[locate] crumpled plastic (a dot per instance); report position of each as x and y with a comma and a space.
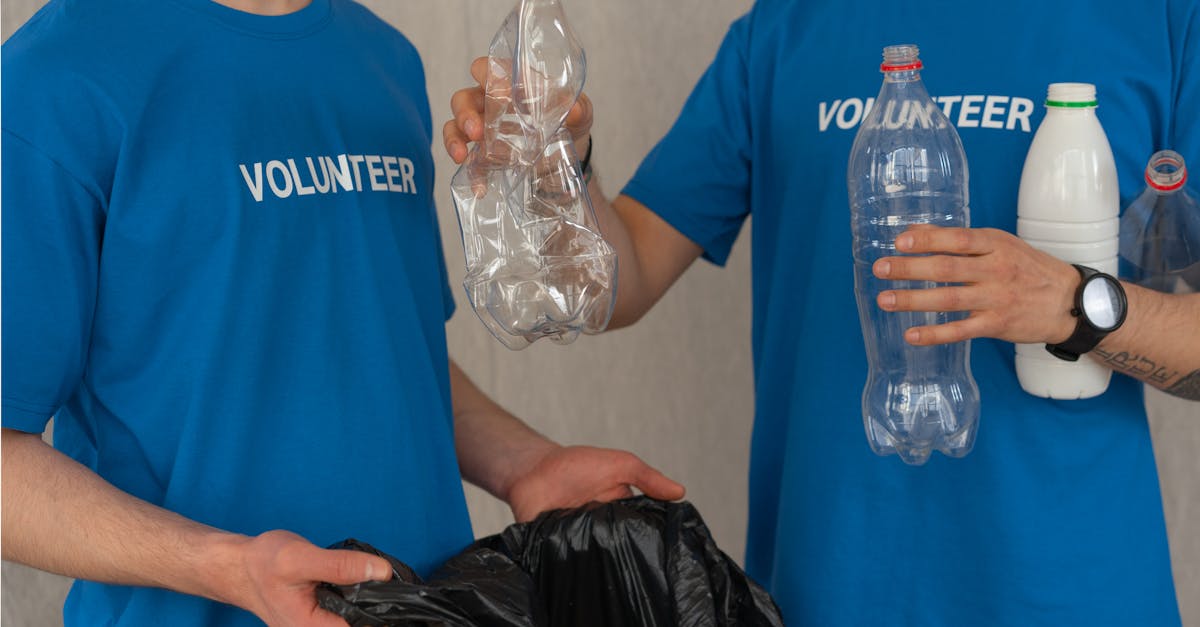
537, 265
635, 562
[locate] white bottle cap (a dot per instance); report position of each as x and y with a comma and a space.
1071, 95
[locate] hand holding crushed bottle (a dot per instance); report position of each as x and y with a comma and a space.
537, 265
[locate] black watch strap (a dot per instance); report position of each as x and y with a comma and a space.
1086, 335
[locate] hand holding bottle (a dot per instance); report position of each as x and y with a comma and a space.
467, 106
1013, 291
537, 264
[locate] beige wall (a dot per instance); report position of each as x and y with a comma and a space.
676, 388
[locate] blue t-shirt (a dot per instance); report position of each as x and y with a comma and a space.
222, 275
1055, 518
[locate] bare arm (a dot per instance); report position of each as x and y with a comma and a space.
61, 517
651, 254
516, 464
1019, 294
1159, 342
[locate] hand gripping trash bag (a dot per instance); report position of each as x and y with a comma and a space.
636, 562
537, 265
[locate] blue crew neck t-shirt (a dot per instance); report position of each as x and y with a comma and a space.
223, 276
1055, 518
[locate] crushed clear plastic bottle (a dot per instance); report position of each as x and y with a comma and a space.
1160, 230
907, 166
537, 265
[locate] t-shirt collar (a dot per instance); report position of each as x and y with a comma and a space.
295, 24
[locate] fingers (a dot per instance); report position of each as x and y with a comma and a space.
613, 494
579, 118
455, 141
467, 125
341, 567
953, 298
322, 618
975, 326
479, 70
955, 241
467, 107
935, 268
651, 482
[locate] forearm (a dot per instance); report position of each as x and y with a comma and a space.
651, 254
61, 517
1159, 342
494, 447
632, 299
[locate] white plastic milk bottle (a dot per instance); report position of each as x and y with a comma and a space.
1068, 206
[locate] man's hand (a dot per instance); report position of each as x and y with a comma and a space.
281, 573
467, 126
576, 475
1013, 291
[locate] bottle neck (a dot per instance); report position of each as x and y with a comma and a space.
1166, 173
902, 76
1071, 111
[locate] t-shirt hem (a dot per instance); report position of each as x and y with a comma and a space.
27, 417
715, 252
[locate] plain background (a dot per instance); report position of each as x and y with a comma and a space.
675, 388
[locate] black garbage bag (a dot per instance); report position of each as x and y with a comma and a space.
635, 562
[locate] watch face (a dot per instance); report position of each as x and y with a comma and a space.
1102, 303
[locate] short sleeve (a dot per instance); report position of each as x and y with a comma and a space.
51, 234
697, 178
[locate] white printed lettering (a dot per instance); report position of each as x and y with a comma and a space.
986, 111
327, 173
301, 189
323, 185
355, 160
374, 172
339, 173
825, 113
970, 107
948, 103
844, 121
392, 173
280, 191
255, 185
407, 173
993, 107
1020, 111
900, 118
922, 116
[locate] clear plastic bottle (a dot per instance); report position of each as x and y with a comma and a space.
1160, 231
1067, 206
908, 167
537, 265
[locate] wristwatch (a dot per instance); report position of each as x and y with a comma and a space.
1100, 305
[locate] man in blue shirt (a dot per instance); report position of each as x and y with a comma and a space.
1055, 518
224, 280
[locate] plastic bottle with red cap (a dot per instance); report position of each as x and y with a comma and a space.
1068, 206
907, 166
1160, 231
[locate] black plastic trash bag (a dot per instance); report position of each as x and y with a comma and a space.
633, 562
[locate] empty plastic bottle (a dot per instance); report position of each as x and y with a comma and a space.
908, 167
537, 265
1160, 231
1067, 206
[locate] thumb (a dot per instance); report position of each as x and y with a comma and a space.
579, 118
656, 485
345, 567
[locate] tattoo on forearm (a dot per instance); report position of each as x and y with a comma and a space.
1147, 370
1187, 387
1136, 366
